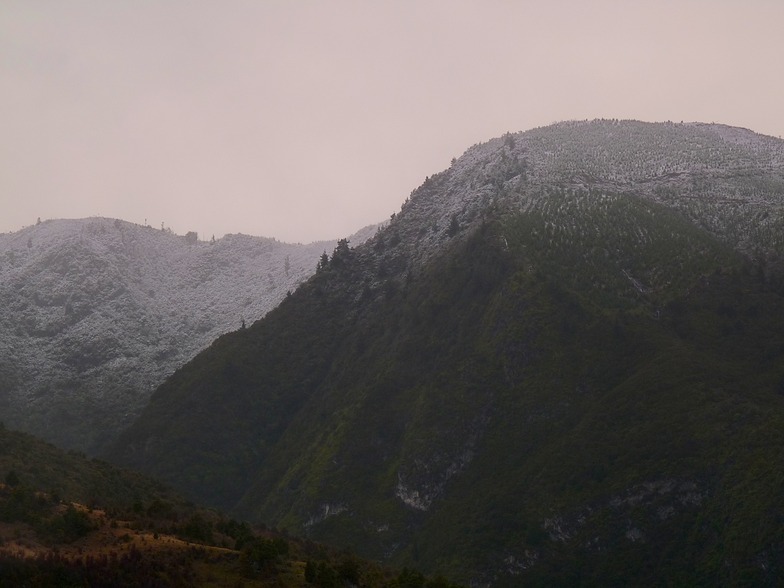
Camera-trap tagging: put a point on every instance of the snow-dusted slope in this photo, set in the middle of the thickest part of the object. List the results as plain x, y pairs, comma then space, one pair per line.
96, 313
726, 179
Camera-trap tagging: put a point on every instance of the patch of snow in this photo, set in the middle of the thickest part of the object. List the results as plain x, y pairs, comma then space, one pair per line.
326, 511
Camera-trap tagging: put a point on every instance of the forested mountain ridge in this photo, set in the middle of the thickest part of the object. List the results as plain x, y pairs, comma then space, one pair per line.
562, 362
95, 313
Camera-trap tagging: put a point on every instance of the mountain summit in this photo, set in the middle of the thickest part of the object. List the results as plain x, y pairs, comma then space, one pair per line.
560, 363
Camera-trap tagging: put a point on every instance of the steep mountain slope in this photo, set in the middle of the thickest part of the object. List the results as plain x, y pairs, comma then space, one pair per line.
562, 362
95, 313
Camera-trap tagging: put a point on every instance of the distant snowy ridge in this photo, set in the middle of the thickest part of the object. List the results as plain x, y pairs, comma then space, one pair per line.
95, 313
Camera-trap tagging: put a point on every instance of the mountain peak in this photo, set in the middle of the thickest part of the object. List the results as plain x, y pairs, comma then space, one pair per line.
702, 170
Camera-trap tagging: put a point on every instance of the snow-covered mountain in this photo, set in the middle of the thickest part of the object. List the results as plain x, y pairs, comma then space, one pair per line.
96, 313
562, 359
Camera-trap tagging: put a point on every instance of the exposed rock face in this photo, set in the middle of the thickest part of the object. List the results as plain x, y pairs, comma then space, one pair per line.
96, 313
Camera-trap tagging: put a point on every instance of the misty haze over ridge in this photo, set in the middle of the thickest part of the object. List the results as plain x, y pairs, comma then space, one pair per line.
306, 121
199, 237
365, 229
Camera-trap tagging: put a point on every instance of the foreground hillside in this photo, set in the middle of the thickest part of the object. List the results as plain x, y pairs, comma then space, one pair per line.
95, 313
67, 521
562, 363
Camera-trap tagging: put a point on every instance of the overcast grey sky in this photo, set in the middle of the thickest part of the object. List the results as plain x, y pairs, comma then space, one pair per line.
306, 120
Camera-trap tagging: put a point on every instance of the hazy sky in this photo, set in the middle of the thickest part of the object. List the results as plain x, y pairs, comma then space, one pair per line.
306, 120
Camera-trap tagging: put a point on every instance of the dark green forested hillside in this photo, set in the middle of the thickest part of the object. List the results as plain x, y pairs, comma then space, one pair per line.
578, 386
